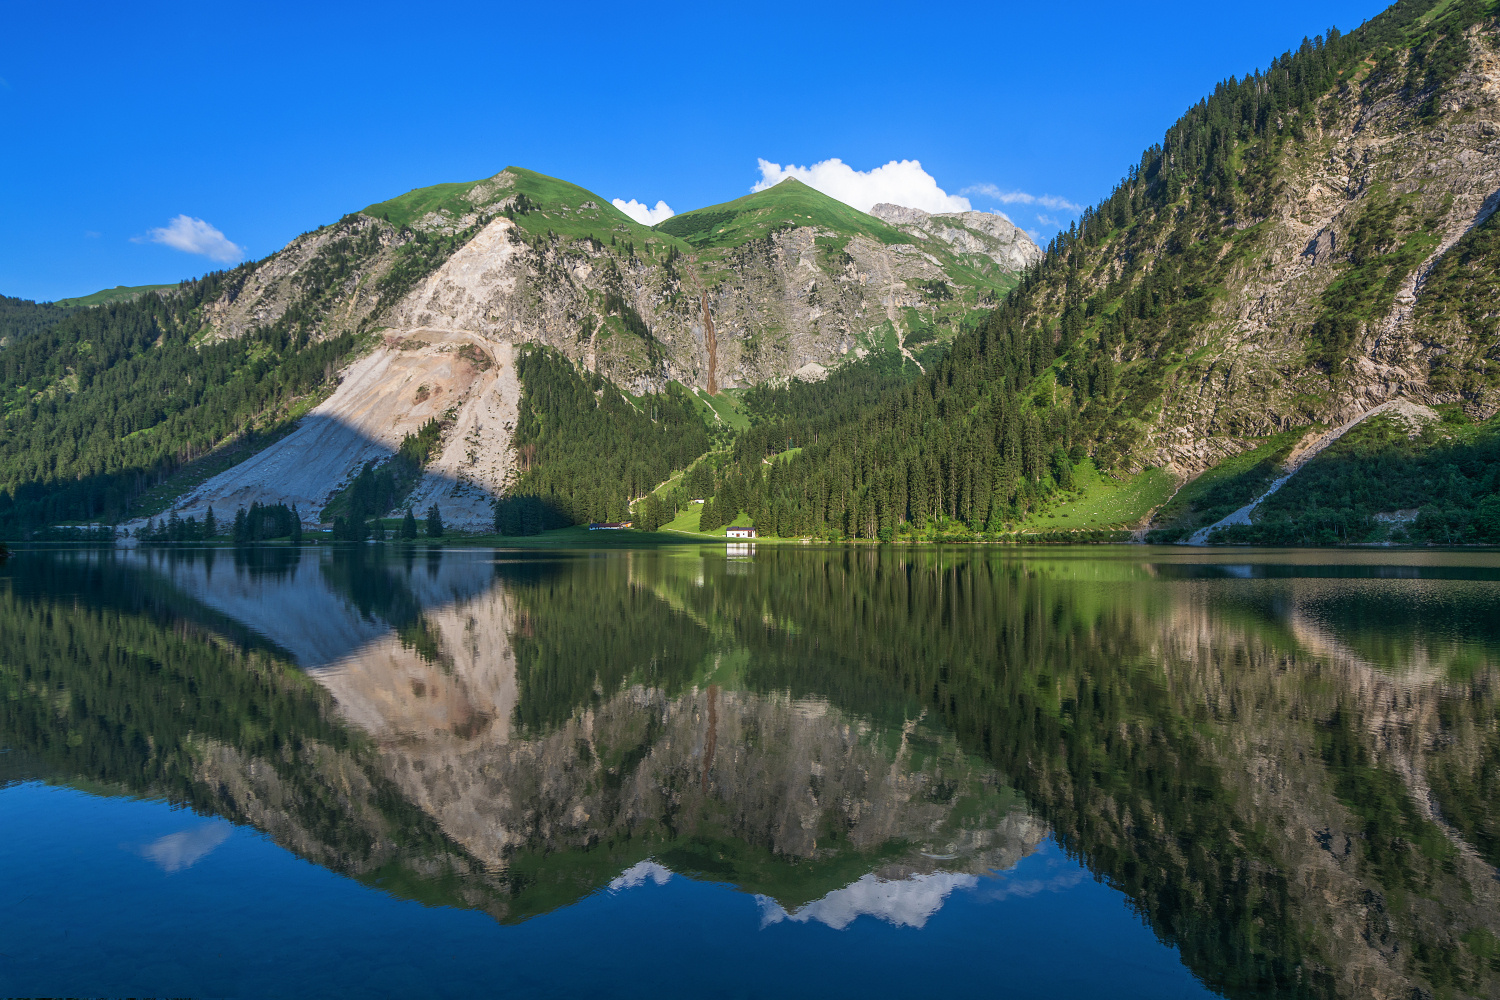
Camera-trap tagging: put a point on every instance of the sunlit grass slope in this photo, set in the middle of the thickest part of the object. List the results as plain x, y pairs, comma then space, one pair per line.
1101, 502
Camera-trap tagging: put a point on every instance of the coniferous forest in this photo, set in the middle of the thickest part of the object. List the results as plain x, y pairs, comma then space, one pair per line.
102, 404
106, 402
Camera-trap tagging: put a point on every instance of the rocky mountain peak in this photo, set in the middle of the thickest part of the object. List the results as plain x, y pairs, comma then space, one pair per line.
987, 233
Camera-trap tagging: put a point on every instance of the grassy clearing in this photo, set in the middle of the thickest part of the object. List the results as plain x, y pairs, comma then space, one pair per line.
688, 520
723, 408
1097, 501
119, 293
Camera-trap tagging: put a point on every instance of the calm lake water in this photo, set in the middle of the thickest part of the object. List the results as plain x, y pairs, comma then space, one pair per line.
777, 772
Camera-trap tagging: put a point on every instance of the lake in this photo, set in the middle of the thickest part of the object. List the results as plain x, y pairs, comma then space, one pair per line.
773, 770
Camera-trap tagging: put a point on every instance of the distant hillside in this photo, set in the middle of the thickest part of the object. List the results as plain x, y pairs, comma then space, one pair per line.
119, 293
22, 317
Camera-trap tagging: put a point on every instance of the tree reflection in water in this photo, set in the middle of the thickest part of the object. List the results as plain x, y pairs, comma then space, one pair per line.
1288, 769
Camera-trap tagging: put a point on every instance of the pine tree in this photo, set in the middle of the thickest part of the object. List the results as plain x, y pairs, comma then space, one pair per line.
409, 525
210, 526
296, 526
434, 522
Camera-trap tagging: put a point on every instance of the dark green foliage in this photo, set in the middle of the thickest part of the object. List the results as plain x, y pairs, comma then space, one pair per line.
961, 445
19, 318
1381, 254
174, 529
1450, 473
264, 522
109, 401
585, 456
408, 525
373, 492
796, 413
1462, 291
695, 225
713, 516
972, 442
416, 448
528, 515
434, 522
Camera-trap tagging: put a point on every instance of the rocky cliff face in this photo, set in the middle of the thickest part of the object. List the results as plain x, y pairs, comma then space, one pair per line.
1321, 303
640, 306
987, 233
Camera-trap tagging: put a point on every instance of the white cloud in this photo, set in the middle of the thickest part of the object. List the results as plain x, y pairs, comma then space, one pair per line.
645, 216
1051, 201
1048, 220
900, 182
905, 903
637, 874
192, 235
177, 851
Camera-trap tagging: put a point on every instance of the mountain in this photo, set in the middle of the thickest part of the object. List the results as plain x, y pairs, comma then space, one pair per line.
1305, 245
421, 301
977, 233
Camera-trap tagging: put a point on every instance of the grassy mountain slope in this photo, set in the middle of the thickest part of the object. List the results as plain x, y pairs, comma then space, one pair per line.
789, 203
119, 293
536, 202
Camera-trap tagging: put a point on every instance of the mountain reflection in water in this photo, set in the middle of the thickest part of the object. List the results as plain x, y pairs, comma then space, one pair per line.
1288, 766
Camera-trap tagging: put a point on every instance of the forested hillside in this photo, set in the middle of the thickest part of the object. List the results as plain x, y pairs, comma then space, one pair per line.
585, 449
1115, 346
108, 401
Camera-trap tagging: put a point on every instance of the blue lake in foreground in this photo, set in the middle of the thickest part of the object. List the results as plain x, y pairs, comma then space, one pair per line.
1123, 772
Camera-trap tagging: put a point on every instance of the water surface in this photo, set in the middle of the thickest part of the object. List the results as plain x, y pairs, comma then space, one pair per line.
1085, 772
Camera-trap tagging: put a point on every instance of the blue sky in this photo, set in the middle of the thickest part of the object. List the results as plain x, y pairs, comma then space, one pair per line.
259, 122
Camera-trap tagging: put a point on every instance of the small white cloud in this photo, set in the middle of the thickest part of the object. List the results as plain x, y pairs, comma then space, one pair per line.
645, 216
637, 874
1048, 220
91, 234
1051, 201
900, 182
192, 235
177, 851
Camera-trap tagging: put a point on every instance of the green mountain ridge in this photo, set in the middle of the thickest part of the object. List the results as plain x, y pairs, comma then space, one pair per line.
789, 203
1308, 242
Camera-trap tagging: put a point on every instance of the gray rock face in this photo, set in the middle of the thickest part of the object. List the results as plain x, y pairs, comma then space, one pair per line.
801, 296
1246, 371
989, 234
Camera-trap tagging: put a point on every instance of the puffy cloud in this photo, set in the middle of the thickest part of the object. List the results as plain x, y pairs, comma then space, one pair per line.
192, 235
645, 216
638, 873
900, 182
994, 193
905, 903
